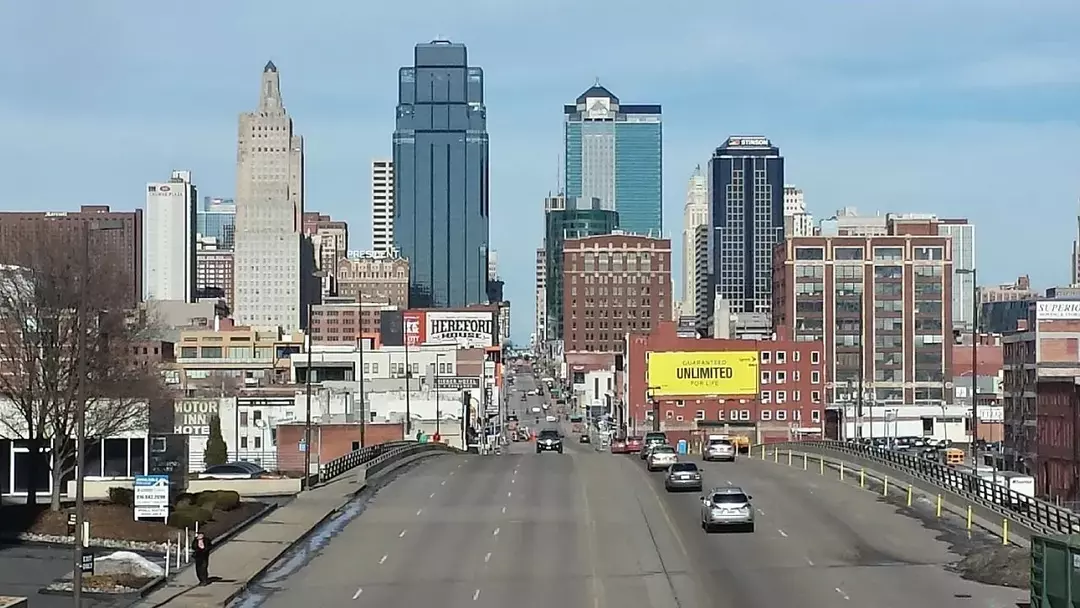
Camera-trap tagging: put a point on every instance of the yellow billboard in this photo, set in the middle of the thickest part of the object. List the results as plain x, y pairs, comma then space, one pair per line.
731, 373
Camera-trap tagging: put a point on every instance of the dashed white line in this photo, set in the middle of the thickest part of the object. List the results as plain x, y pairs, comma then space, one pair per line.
487, 558
504, 510
476, 595
382, 560
809, 562
402, 535
729, 482
782, 533
451, 472
509, 494
513, 481
496, 532
432, 495
842, 594
443, 483
419, 511
358, 592
761, 513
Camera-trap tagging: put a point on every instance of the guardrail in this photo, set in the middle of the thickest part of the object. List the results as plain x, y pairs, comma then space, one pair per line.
337, 466
1032, 513
390, 457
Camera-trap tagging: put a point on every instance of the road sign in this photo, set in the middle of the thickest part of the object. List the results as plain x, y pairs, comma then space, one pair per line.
302, 446
151, 497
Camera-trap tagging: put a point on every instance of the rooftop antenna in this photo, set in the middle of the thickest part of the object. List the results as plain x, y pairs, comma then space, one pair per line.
596, 81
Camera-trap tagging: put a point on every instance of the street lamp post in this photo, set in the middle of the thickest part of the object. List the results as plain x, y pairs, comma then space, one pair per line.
80, 402
974, 362
363, 408
408, 374
307, 390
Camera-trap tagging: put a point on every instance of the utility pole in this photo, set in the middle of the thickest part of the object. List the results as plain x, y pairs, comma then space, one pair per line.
307, 418
438, 406
862, 364
363, 410
408, 374
975, 372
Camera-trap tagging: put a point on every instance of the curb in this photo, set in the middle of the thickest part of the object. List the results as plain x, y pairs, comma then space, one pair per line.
365, 485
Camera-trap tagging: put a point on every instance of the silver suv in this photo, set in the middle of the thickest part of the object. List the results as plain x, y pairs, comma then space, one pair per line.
720, 449
727, 507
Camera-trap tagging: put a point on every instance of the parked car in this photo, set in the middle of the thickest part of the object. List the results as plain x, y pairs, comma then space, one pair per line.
234, 470
618, 446
633, 445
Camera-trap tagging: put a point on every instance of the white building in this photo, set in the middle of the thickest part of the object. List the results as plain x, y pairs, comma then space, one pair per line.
540, 317
963, 283
797, 221
695, 213
169, 239
493, 265
268, 274
384, 363
382, 205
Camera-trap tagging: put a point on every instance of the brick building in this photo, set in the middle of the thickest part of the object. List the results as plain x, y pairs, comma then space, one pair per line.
329, 441
613, 284
1042, 400
344, 322
214, 273
790, 399
123, 246
881, 306
375, 277
330, 238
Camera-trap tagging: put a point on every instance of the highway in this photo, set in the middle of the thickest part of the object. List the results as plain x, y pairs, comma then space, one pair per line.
594, 530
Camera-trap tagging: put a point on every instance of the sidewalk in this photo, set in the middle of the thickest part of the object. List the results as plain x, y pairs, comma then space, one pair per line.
242, 558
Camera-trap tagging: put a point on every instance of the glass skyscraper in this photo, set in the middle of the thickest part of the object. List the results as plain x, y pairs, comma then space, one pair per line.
746, 186
568, 218
217, 219
614, 152
441, 177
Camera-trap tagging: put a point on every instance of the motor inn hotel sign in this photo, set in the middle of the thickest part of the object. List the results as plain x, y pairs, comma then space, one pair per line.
474, 329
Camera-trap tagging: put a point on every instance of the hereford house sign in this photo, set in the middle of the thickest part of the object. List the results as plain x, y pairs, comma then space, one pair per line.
469, 329
192, 416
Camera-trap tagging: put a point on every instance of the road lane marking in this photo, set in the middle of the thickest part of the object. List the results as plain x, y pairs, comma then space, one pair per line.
504, 510
782, 533
443, 483
487, 558
402, 535
729, 483
476, 596
496, 532
358, 592
459, 465
809, 562
432, 495
382, 560
842, 594
513, 481
451, 472
419, 511
509, 494
761, 513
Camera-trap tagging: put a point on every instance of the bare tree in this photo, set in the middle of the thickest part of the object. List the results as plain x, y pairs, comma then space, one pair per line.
43, 339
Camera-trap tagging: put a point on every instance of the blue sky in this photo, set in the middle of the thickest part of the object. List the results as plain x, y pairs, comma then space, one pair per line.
961, 108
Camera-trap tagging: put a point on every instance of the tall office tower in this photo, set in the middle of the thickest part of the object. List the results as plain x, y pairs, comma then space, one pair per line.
217, 221
568, 218
797, 222
540, 319
170, 234
695, 213
493, 265
964, 290
329, 239
382, 205
746, 177
614, 152
272, 274
441, 177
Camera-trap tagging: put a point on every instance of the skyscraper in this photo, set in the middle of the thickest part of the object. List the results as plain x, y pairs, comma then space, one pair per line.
746, 183
695, 213
614, 152
217, 220
269, 268
382, 205
441, 177
797, 221
170, 239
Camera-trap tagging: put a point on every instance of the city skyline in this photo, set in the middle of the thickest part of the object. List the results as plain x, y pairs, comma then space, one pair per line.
1005, 95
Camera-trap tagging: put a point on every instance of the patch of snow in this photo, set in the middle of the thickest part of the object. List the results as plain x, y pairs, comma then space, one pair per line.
138, 564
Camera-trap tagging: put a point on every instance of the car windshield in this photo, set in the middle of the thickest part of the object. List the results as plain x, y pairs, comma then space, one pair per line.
634, 439
684, 467
549, 434
729, 499
656, 437
719, 442
663, 449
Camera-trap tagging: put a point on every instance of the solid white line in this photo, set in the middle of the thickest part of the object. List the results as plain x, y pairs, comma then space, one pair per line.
383, 559
487, 558
432, 495
496, 532
782, 533
809, 562
476, 595
402, 535
358, 592
419, 511
842, 594
504, 510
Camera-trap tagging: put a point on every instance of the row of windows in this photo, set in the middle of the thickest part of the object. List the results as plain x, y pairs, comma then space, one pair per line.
745, 415
780, 377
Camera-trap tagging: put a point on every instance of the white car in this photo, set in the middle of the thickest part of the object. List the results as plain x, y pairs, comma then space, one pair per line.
535, 410
552, 419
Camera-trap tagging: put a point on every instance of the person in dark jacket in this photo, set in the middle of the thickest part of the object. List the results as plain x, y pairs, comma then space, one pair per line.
201, 548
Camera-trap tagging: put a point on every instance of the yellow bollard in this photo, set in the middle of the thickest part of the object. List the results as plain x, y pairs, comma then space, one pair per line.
763, 452
885, 486
789, 458
1005, 531
821, 464
841, 471
804, 461
969, 518
909, 495
862, 478
776, 456
938, 510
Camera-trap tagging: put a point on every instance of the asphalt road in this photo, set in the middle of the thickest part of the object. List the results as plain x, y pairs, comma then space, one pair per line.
24, 569
592, 530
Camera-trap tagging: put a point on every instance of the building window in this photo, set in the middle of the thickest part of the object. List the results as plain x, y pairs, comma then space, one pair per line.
720, 414
929, 253
809, 253
815, 396
815, 377
847, 253
745, 415
796, 396
766, 396
815, 415
766, 415
781, 415
781, 377
815, 357
764, 356
796, 415
243, 418
781, 396
699, 415
781, 357
243, 442
796, 356
888, 253
766, 376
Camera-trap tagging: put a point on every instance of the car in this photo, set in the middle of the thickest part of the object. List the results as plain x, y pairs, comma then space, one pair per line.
727, 507
584, 438
551, 419
618, 446
524, 398
683, 476
652, 440
549, 440
720, 449
233, 470
633, 445
535, 410
661, 457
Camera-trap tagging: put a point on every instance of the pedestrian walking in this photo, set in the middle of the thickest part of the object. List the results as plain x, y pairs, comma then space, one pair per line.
201, 548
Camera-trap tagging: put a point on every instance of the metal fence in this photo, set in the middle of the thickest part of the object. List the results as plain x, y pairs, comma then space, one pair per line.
337, 466
1034, 514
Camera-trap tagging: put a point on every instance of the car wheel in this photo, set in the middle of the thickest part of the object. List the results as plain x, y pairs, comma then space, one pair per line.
708, 529
537, 451
560, 451
750, 528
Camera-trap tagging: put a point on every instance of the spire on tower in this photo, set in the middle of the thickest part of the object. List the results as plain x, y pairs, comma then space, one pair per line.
270, 67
